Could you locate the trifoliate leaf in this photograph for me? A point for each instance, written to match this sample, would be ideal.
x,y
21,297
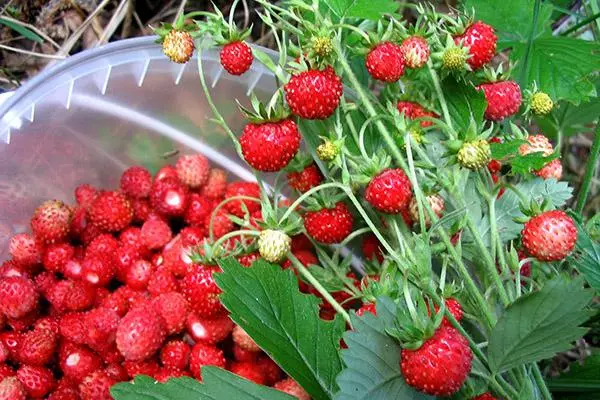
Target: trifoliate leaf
x,y
464,103
539,325
216,384
364,9
373,360
265,301
586,256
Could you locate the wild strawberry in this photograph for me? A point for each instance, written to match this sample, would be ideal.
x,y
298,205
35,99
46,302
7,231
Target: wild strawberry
x,y
51,221
494,166
85,195
240,207
18,296
242,339
110,211
117,372
436,202
216,184
139,274
306,179
141,209
273,245
552,170
136,182
11,340
415,50
248,370
536,144
202,292
37,381
96,386
148,367
236,57
192,170
220,223
89,233
4,355
97,270
175,354
174,309
102,245
125,256
198,209
72,295
101,328
36,347
12,389
441,365
306,258
164,374
77,362
155,234
64,392
269,146
162,281
169,197
202,355
371,248
209,331
480,39
269,369
292,388
240,354
178,46
140,334
413,110
328,150
549,236
248,259
485,396
503,98
314,94
385,62
329,225
541,103
390,191
24,249
453,307
56,256
48,324
475,154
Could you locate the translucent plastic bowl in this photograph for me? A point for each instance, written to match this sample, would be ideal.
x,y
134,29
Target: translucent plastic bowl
x,y
91,116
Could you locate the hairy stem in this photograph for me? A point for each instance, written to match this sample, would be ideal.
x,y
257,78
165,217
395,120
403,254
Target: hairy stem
x,y
590,168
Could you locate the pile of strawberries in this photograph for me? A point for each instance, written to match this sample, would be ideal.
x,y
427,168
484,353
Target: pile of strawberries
x,y
106,289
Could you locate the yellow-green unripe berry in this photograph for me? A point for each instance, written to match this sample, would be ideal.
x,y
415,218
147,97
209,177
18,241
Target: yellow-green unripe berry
x,y
475,154
322,45
454,59
273,245
541,103
178,46
327,151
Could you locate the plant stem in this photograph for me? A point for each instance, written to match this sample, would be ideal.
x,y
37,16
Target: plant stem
x,y
220,205
305,196
229,235
347,240
525,70
539,379
317,285
440,95
590,168
580,24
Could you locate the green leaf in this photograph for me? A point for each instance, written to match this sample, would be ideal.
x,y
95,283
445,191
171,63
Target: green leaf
x,y
586,257
364,9
579,378
521,165
216,384
500,151
373,360
570,120
327,277
561,66
21,30
539,325
464,102
265,301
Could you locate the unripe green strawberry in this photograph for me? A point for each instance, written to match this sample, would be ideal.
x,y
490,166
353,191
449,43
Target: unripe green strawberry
x,y
274,245
475,154
541,103
454,59
549,236
327,151
436,202
178,46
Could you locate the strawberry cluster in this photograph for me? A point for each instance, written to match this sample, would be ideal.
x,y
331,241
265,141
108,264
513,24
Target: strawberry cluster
x,y
115,286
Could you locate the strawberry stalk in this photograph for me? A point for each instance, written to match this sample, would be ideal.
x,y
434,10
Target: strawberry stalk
x,y
220,205
441,97
242,232
590,168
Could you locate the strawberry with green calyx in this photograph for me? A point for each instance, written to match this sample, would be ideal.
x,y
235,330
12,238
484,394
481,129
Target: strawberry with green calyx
x,y
328,150
472,149
328,219
502,95
385,59
303,174
436,203
479,38
537,102
451,58
271,139
415,43
178,39
540,144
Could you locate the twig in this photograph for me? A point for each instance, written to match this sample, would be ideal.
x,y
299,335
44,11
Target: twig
x,y
180,10
31,53
33,28
246,14
113,24
6,6
70,43
138,21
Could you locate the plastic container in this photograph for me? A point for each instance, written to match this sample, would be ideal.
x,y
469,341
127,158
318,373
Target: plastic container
x,y
91,116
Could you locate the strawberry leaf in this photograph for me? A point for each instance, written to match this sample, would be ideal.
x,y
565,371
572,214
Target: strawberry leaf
x,y
364,9
373,359
216,384
265,301
570,120
539,325
586,256
464,103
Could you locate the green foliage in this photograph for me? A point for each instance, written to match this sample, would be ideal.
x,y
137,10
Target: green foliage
x,y
508,153
21,30
539,325
373,360
364,9
216,384
586,256
464,103
581,378
265,301
570,120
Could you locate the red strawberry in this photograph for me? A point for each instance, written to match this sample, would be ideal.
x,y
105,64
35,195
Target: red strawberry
x,y
306,179
480,39
131,236
552,170
453,307
11,341
72,295
98,271
367,307
24,249
77,362
96,386
4,355
269,146
494,166
204,354
57,255
536,144
247,259
329,225
413,110
175,354
48,324
292,388
242,339
269,369
415,50
214,189
11,389
209,331
485,396
101,328
110,211
549,236
140,334
149,367
301,242
169,197
162,281
102,245
164,374
306,258
236,57
221,224
503,98
155,234
390,191
37,381
385,62
117,302
64,393
371,248
192,170
18,296
24,323
117,372
136,182
141,209
139,274
51,221
441,365
85,195
125,256
202,292
174,309
248,370
168,171
314,94
246,189
240,354
36,347
198,209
